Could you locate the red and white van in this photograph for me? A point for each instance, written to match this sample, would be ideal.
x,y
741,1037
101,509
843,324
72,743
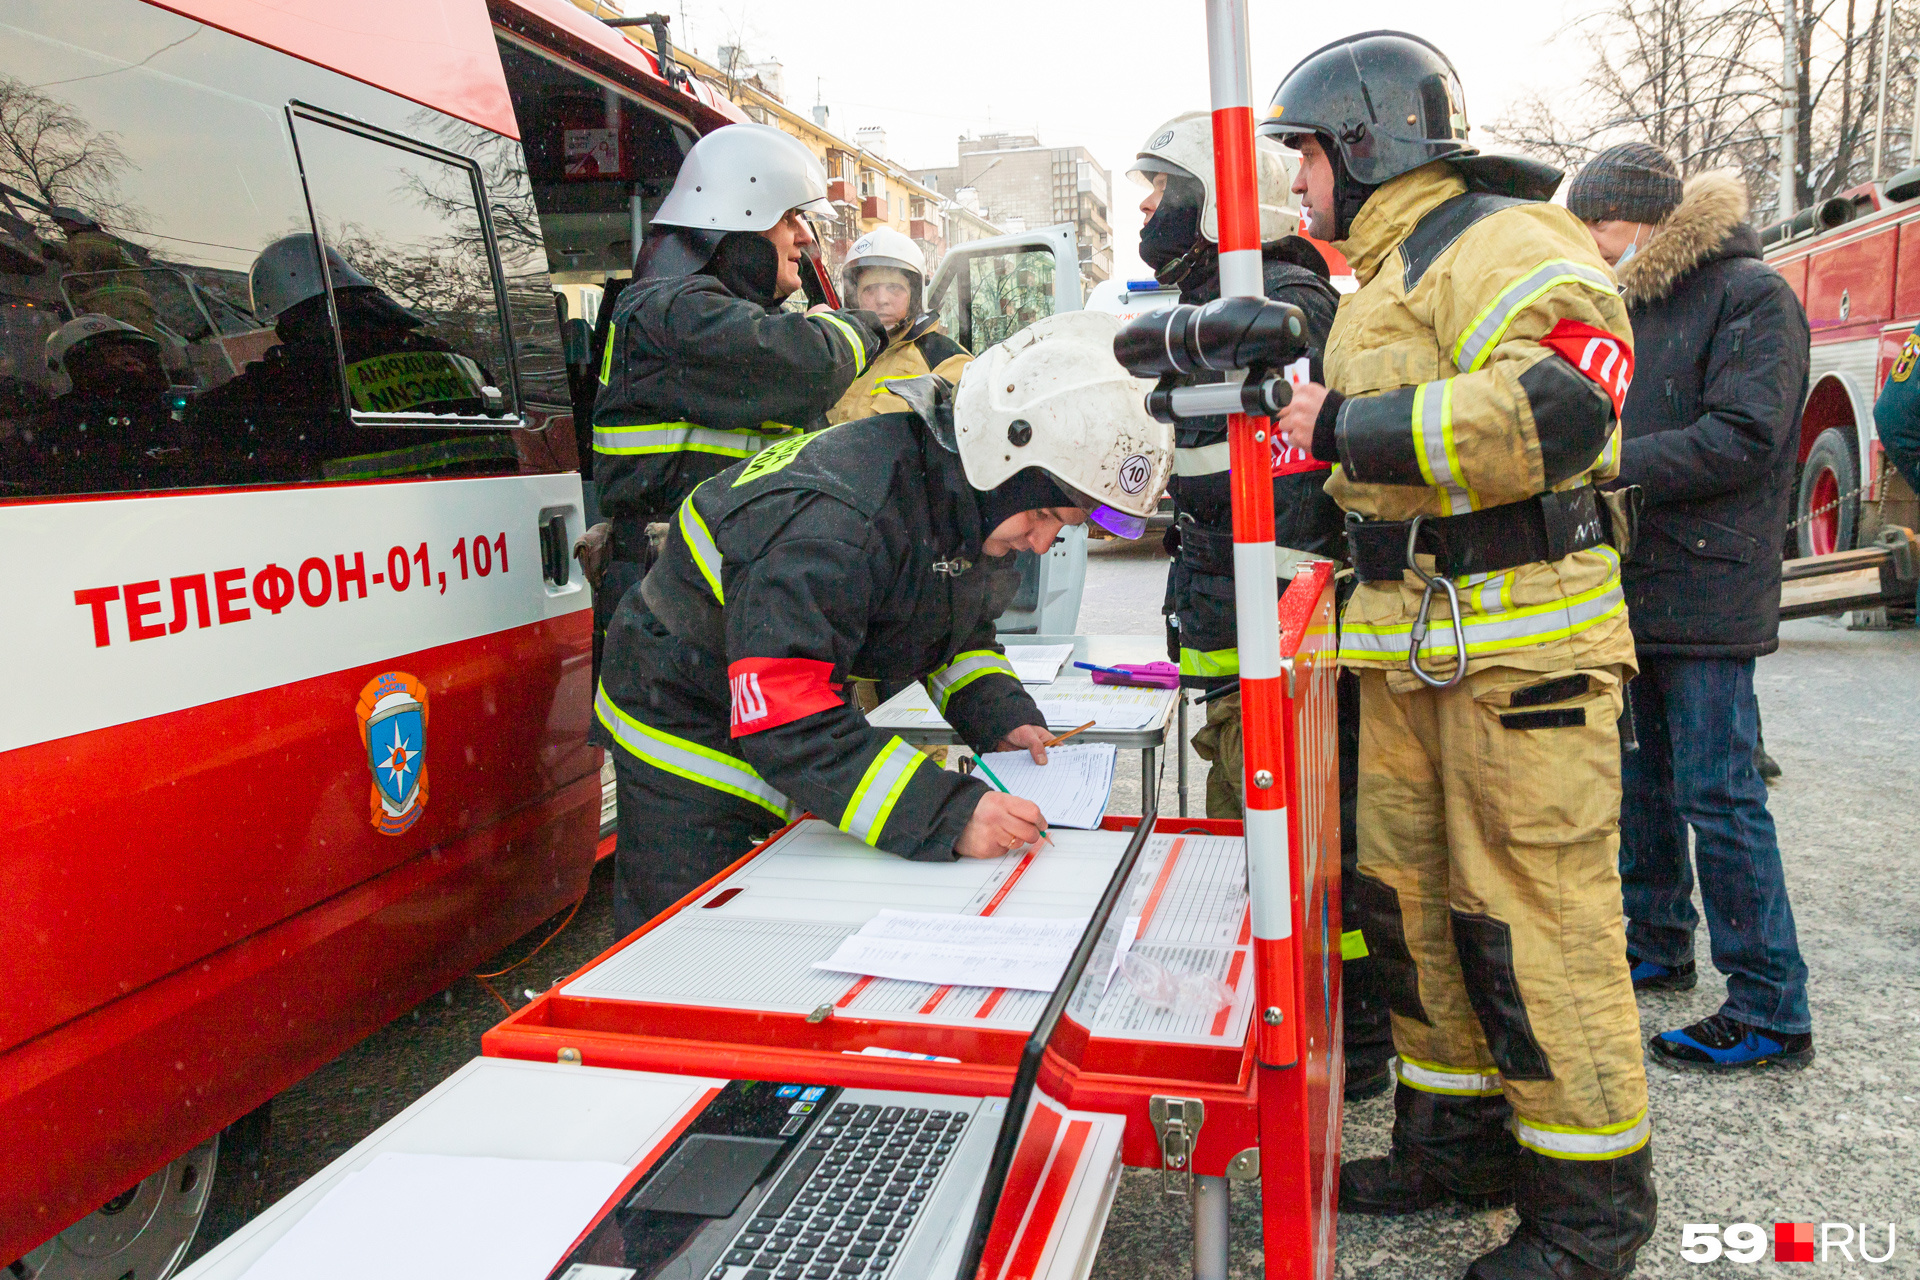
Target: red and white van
x,y
296,732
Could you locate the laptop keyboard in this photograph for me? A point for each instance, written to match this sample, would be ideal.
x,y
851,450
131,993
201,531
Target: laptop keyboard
x,y
846,1203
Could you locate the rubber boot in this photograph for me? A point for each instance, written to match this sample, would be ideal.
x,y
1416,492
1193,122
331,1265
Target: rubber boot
x,y
1579,1219
1444,1148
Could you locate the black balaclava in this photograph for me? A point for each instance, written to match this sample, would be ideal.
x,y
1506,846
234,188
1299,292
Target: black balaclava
x,y
1174,227
1027,490
1348,195
745,262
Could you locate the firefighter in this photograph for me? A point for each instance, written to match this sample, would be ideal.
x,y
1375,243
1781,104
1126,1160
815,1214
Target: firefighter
x,y
113,429
1180,241
283,416
701,367
1471,402
879,548
886,273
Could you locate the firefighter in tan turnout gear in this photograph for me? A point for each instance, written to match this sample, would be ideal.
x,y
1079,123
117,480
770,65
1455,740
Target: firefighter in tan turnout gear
x,y
1472,401
886,273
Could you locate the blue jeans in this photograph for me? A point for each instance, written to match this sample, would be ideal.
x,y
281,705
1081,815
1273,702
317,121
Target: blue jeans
x,y
1697,721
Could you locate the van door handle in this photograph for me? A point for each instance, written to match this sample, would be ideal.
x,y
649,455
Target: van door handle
x,y
555,563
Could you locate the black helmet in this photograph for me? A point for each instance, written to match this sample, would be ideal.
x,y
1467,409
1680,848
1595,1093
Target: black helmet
x,y
1386,101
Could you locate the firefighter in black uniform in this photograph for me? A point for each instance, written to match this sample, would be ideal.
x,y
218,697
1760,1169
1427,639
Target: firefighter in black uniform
x,y
876,549
1180,241
701,368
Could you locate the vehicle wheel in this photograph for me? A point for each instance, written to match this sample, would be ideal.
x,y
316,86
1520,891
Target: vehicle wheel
x,y
1829,472
144,1232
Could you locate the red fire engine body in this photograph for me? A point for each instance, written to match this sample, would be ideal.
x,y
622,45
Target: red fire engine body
x,y
1854,261
287,750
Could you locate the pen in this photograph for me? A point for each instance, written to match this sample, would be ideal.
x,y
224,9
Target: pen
x,y
980,764
1060,738
1105,671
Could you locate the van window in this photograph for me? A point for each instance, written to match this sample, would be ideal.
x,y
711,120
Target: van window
x,y
998,295
148,176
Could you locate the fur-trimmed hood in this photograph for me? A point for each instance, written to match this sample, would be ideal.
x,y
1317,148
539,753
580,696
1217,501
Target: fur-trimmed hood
x,y
1711,213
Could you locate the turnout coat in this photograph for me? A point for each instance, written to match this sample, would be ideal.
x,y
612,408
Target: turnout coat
x,y
851,553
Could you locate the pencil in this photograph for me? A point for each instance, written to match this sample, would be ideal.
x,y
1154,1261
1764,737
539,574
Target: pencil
x,y
1057,739
1002,787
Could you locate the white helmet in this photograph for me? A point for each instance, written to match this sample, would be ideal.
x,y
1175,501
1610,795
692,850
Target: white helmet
x,y
1053,396
745,177
80,330
885,247
1184,145
287,273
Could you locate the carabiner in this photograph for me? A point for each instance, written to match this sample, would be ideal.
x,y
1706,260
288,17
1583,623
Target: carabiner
x,y
1418,636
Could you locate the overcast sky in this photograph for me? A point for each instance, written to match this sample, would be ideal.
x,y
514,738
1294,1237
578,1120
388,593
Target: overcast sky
x,y
1098,75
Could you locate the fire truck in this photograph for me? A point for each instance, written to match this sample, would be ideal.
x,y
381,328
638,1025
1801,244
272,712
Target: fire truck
x,y
293,381
1854,262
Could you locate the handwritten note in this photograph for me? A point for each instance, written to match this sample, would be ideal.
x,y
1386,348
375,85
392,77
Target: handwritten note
x,y
1025,953
1071,788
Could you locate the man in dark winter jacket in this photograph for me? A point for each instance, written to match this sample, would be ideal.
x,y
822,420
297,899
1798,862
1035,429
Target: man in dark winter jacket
x,y
701,368
1709,428
877,549
1180,241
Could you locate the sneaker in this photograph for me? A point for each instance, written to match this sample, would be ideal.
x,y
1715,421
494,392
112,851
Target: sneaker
x,y
1389,1187
1768,767
1529,1256
1721,1044
1648,976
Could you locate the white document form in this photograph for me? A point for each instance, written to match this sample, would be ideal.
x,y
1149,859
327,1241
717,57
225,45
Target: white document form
x,y
1071,788
404,1216
981,951
1038,663
753,942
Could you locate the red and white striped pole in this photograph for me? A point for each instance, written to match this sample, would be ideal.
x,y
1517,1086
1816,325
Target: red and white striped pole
x,y
1255,593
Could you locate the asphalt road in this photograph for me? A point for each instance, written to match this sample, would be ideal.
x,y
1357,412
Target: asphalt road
x,y
1838,1142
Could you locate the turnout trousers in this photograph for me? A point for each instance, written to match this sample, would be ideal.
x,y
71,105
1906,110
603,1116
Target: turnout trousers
x,y
1488,889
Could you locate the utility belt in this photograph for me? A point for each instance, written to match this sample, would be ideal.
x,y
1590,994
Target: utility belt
x,y
1210,551
1544,528
1540,529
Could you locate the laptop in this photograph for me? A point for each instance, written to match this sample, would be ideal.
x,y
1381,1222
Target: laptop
x,y
791,1180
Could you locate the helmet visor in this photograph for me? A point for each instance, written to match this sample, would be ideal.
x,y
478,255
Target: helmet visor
x,y
1116,522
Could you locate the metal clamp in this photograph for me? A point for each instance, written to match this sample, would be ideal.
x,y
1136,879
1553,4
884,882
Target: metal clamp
x,y
1177,1121
1418,636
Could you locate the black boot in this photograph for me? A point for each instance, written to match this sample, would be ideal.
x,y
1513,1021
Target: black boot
x,y
1444,1148
1526,1256
1579,1219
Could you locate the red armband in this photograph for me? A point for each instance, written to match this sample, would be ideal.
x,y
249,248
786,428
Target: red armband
x,y
1604,357
769,692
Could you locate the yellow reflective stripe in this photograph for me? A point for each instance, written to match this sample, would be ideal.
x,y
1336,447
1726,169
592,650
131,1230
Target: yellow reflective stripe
x,y
1534,624
1434,1077
683,437
873,800
1459,496
1424,431
1484,334
1566,1142
852,336
963,671
1353,945
422,457
606,357
1207,663
700,543
688,760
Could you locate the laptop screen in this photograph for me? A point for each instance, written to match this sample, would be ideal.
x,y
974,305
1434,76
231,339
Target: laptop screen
x,y
760,1151
1054,1035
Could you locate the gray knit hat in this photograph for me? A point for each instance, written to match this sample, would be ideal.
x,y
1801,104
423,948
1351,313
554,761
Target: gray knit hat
x,y
1631,182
